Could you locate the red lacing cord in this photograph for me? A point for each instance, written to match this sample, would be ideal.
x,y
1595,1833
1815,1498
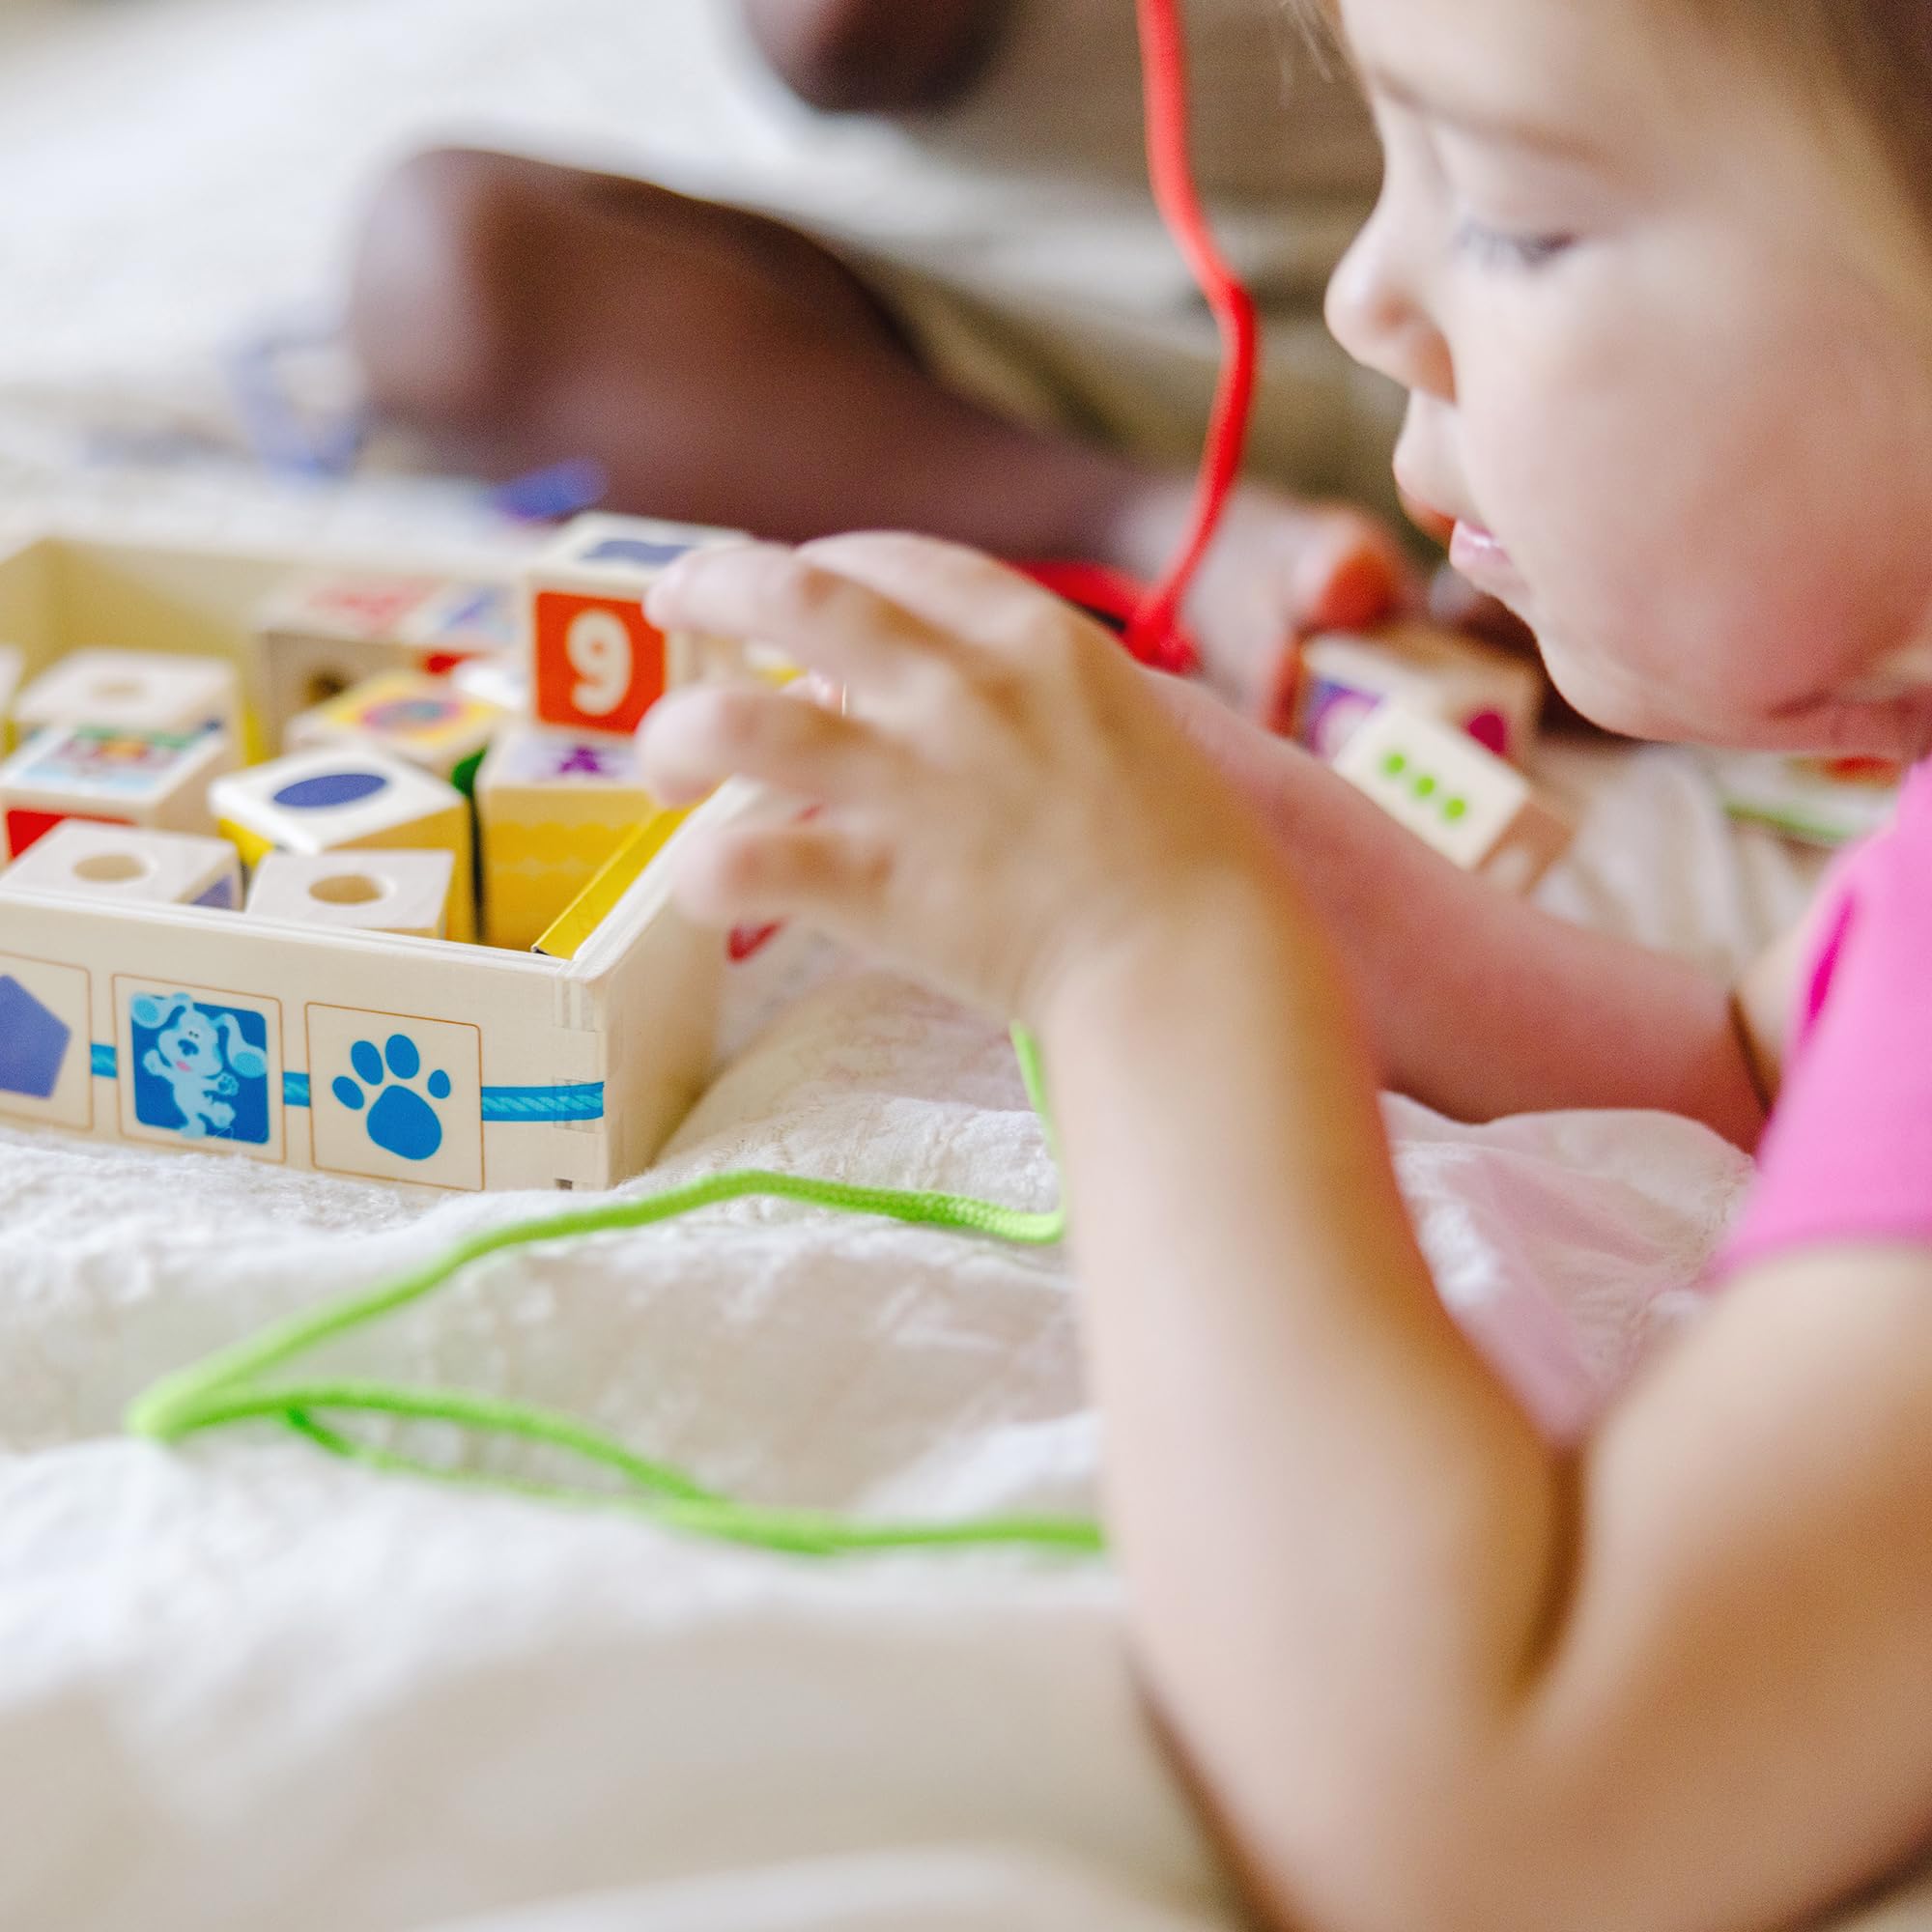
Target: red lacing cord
x,y
1154,633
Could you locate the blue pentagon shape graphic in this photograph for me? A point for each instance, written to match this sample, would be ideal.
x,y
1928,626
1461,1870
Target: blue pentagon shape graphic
x,y
33,1042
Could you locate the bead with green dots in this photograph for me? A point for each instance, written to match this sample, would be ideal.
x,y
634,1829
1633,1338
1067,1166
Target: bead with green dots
x,y
1425,786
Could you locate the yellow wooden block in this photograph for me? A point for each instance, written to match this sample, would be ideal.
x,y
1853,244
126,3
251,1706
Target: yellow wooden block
x,y
553,806
615,878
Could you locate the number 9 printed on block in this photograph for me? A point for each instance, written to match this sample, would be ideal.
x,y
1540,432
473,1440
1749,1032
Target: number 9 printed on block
x,y
598,663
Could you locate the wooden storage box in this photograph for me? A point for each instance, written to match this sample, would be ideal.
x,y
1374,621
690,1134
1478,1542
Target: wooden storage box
x,y
391,1059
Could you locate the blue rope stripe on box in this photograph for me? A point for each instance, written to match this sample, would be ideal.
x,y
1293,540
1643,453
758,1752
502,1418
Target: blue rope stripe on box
x,y
572,1100
580,1100
576,1100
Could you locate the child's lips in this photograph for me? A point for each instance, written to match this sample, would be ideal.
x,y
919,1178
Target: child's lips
x,y
1484,561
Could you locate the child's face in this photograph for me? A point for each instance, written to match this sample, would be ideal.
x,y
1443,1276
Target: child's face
x,y
1655,370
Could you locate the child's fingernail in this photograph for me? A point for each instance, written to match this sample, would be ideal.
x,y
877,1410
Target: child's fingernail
x,y
665,590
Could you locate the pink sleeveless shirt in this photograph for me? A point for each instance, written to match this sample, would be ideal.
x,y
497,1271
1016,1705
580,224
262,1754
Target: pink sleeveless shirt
x,y
1848,1155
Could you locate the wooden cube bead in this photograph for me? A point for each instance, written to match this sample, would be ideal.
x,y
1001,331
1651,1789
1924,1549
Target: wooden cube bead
x,y
133,691
1479,812
126,863
155,778
598,662
424,721
553,806
324,631
502,680
334,801
404,892
463,621
1490,695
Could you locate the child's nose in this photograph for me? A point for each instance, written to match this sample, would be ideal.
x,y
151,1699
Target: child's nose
x,y
1378,315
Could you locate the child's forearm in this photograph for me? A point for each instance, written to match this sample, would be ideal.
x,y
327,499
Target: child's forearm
x,y
1428,1670
1478,1003
1339,1530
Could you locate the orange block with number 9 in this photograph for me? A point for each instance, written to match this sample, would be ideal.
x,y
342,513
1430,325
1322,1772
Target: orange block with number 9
x,y
600,663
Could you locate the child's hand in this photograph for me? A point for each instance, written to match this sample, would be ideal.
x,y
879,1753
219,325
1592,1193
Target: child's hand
x,y
1279,570
1006,802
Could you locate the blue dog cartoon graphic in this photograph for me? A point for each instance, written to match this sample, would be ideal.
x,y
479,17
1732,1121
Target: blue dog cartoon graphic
x,y
201,1057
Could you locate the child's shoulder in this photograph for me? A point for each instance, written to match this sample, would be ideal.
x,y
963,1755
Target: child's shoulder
x,y
1876,903
1848,1156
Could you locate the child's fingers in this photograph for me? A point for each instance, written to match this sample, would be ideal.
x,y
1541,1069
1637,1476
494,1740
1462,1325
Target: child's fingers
x,y
1350,576
957,591
818,871
696,739
818,616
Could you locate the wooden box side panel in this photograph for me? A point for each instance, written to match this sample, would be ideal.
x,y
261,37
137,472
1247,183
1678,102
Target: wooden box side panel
x,y
29,603
392,1060
159,600
656,1019
62,594
656,986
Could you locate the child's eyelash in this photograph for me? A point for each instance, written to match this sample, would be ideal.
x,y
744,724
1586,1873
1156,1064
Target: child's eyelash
x,y
1496,248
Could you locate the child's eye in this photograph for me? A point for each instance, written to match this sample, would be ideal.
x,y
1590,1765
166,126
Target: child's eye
x,y
1498,249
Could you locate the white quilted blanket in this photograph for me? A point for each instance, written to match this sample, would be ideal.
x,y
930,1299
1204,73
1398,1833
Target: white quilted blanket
x,y
241,1687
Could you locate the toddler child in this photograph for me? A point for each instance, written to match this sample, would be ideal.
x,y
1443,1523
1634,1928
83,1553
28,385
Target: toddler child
x,y
1657,275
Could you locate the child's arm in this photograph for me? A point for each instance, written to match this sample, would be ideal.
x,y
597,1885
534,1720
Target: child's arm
x,y
1764,1000
1432,1670
1479,1003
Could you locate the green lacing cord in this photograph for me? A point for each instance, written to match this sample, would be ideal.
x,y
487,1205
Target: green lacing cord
x,y
227,1387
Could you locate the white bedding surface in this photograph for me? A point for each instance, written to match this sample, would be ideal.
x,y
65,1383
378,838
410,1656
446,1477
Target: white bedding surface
x,y
238,1676
242,1686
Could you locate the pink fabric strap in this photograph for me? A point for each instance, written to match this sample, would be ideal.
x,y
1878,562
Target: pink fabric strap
x,y
1848,1156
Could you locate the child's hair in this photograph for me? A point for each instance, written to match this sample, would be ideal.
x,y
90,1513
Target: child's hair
x,y
1872,57
1866,64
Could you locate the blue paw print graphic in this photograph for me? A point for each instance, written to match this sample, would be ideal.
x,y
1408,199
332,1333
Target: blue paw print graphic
x,y
401,1122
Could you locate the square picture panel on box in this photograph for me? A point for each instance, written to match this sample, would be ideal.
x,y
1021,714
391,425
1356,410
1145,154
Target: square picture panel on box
x,y
46,1056
396,1097
199,1067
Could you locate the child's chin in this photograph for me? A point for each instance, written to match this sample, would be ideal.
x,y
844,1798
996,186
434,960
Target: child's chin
x,y
1606,701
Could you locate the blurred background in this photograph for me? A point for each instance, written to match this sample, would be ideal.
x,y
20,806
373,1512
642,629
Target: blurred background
x,y
185,180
